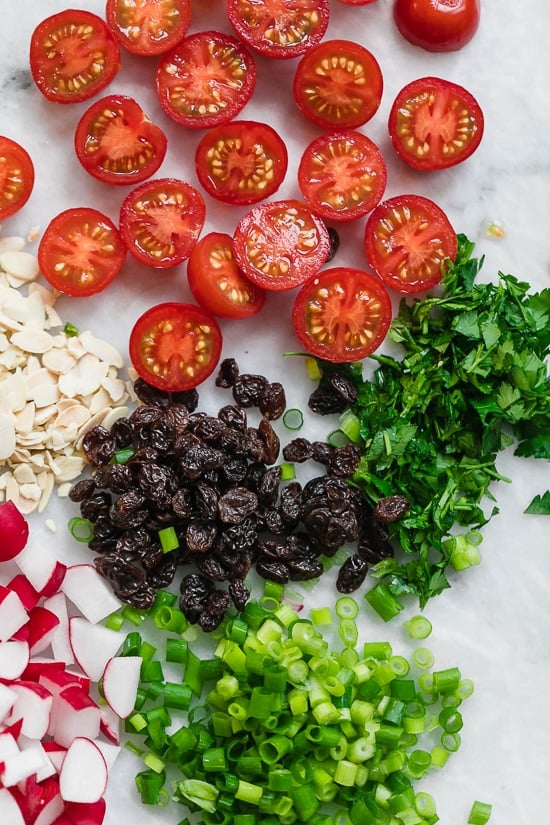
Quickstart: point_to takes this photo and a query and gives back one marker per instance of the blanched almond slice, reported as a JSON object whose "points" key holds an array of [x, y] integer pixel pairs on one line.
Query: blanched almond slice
{"points": [[84, 378], [58, 360], [32, 340], [7, 435], [42, 388], [104, 351], [74, 416], [21, 264], [112, 415], [68, 467], [115, 387], [24, 419], [24, 474], [13, 243]]}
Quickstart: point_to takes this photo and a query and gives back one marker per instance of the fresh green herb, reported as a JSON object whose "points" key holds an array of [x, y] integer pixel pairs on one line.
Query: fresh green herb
{"points": [[540, 506], [70, 330], [472, 380]]}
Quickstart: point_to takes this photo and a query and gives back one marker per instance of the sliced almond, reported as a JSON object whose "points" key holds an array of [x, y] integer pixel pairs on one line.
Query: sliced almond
{"points": [[102, 349], [8, 438], [21, 264]]}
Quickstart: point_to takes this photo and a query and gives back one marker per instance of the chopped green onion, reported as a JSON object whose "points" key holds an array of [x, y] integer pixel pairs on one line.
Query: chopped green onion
{"points": [[122, 456], [293, 419], [382, 600], [170, 619], [446, 681], [288, 471], [131, 614], [168, 539], [480, 813], [418, 627], [70, 330], [176, 650], [313, 369], [321, 615], [350, 425], [81, 529], [114, 621], [346, 608], [337, 438], [423, 657]]}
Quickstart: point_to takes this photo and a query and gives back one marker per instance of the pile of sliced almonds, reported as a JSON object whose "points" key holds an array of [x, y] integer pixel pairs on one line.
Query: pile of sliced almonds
{"points": [[54, 386]]}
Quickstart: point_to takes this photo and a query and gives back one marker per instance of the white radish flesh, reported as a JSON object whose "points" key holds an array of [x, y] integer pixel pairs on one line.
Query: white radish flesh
{"points": [[85, 588], [83, 777], [120, 683], [93, 645]]}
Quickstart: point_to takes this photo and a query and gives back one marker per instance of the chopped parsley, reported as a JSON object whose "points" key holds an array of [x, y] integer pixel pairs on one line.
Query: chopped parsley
{"points": [[540, 506], [471, 381]]}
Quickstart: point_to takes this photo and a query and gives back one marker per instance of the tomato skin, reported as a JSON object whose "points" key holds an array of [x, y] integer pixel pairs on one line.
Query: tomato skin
{"points": [[342, 175], [342, 314], [435, 124], [241, 162], [77, 37], [162, 25], [345, 98], [116, 142], [175, 346], [226, 68], [16, 177], [161, 220], [356, 2], [216, 282], [280, 29], [278, 245], [81, 252], [407, 240], [437, 25]]}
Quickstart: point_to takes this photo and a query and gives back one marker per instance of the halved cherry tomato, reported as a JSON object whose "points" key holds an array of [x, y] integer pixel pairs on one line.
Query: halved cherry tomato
{"points": [[175, 346], [435, 124], [241, 162], [338, 83], [16, 177], [81, 252], [407, 240], [117, 143], [279, 28], [342, 175], [161, 220], [342, 314], [206, 79], [442, 26], [216, 281], [148, 27], [73, 56], [280, 244]]}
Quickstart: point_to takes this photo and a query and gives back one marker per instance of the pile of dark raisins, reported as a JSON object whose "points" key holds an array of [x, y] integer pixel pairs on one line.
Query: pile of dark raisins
{"points": [[215, 481]]}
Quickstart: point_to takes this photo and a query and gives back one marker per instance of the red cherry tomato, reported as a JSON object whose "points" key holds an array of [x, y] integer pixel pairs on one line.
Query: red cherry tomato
{"points": [[407, 240], [356, 2], [148, 27], [434, 124], [174, 346], [16, 177], [241, 162], [117, 143], [342, 314], [338, 84], [73, 56], [81, 252], [437, 25], [342, 175], [205, 80], [161, 220], [280, 244], [216, 281], [279, 28]]}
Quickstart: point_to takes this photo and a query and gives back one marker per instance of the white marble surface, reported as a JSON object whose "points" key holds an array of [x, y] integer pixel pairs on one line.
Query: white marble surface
{"points": [[495, 621]]}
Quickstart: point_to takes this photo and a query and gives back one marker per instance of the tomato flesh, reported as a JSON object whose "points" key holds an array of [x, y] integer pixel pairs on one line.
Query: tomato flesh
{"points": [[217, 283], [16, 177], [280, 244], [175, 346], [342, 175], [205, 80], [338, 84], [407, 240], [73, 56], [437, 25], [117, 143], [81, 252], [241, 162], [161, 220], [148, 27], [279, 28], [435, 124], [342, 314]]}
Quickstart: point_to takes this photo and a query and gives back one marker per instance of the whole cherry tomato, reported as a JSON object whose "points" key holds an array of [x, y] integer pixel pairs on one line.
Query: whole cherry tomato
{"points": [[437, 25]]}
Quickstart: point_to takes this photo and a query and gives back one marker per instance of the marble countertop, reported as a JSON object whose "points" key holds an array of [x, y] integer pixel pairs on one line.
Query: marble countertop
{"points": [[495, 621]]}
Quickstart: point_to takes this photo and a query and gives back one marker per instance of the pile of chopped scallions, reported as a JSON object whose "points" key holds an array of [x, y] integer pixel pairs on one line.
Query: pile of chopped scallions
{"points": [[277, 728]]}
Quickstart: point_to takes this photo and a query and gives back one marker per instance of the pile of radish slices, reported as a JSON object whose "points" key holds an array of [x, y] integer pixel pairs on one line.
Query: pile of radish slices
{"points": [[58, 738]]}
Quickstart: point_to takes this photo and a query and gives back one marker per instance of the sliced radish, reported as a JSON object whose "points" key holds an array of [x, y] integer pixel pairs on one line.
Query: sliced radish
{"points": [[14, 659], [39, 666], [74, 715], [21, 765], [33, 707], [10, 812], [89, 592], [93, 645], [55, 753], [48, 768], [39, 802], [83, 776], [110, 724], [61, 646], [110, 753], [120, 683], [24, 589], [8, 746], [42, 625], [14, 530], [7, 701], [13, 614], [41, 567], [86, 813], [57, 680]]}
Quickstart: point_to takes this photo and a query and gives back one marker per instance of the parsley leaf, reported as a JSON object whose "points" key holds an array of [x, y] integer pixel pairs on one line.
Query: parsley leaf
{"points": [[540, 505]]}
